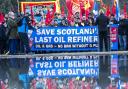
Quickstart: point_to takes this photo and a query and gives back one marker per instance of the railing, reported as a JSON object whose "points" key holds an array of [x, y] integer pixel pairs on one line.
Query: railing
{"points": [[65, 54]]}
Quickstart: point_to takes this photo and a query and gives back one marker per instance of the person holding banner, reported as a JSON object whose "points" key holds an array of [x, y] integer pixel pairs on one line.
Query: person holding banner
{"points": [[22, 31], [122, 33], [113, 20], [102, 21], [12, 32], [91, 19]]}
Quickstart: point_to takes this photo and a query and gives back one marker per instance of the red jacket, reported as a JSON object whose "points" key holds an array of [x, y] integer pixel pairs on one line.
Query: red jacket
{"points": [[1, 18]]}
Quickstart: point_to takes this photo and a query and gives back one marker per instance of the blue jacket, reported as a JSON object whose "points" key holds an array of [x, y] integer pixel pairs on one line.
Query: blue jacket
{"points": [[23, 27]]}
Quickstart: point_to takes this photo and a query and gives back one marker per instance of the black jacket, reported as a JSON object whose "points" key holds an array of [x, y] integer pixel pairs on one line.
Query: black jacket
{"points": [[123, 27], [102, 21], [2, 32]]}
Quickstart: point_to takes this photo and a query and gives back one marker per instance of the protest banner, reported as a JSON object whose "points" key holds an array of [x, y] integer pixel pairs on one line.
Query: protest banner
{"points": [[65, 38], [114, 37]]}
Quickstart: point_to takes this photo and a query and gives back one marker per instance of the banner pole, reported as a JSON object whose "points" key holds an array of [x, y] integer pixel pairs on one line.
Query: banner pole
{"points": [[18, 5]]}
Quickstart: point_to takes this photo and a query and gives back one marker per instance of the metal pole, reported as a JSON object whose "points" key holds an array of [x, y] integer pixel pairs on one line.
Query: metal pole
{"points": [[18, 5]]}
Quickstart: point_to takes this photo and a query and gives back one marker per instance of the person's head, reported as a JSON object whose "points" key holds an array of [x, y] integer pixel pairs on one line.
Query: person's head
{"points": [[122, 16], [11, 15], [27, 14], [55, 23], [56, 15], [59, 16], [77, 20], [63, 21], [37, 12], [112, 16], [77, 15], [90, 15], [83, 18], [101, 12]]}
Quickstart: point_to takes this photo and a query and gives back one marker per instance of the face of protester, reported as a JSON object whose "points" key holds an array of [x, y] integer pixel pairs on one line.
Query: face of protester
{"points": [[55, 23], [63, 22], [40, 24], [77, 14], [59, 16], [11, 15], [37, 12], [122, 17], [84, 18], [111, 17], [77, 21]]}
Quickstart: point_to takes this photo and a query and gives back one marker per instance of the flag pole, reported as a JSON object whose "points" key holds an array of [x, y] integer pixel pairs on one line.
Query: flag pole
{"points": [[18, 5]]}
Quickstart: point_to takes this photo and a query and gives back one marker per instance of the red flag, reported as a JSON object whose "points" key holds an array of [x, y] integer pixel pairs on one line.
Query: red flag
{"points": [[75, 6], [86, 7], [125, 10], [50, 16], [69, 7], [114, 9], [91, 4], [70, 18], [62, 11], [108, 12], [81, 9]]}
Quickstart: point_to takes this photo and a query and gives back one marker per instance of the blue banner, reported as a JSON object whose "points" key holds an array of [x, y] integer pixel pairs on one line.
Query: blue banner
{"points": [[114, 37], [69, 66], [64, 38]]}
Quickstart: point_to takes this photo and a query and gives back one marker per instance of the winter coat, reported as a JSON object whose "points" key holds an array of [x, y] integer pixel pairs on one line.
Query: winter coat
{"points": [[122, 29], [102, 21], [12, 28], [2, 32]]}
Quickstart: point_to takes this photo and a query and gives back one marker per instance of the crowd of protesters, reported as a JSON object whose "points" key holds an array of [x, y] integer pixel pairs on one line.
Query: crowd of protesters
{"points": [[14, 38]]}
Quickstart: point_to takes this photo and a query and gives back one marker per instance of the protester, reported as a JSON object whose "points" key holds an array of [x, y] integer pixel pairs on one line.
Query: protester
{"points": [[12, 33], [113, 20], [55, 23], [22, 31], [122, 33], [3, 37], [102, 21], [64, 22], [91, 20]]}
